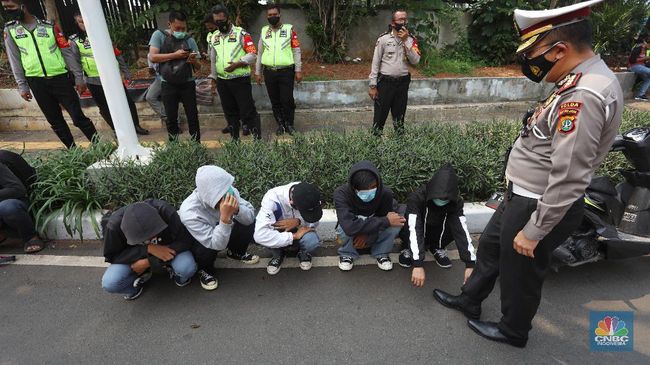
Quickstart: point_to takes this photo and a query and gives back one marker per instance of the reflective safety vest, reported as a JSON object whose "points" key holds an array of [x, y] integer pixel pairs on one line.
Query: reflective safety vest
{"points": [[277, 46], [87, 57], [229, 49], [209, 38], [39, 52]]}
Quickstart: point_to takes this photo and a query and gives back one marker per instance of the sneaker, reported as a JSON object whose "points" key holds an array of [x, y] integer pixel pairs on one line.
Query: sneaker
{"points": [[346, 263], [138, 283], [305, 261], [177, 280], [208, 282], [385, 264], [405, 258], [641, 98], [442, 259], [247, 258], [274, 265]]}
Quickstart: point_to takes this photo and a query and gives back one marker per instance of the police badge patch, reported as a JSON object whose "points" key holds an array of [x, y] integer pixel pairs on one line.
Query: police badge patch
{"points": [[567, 124], [42, 32]]}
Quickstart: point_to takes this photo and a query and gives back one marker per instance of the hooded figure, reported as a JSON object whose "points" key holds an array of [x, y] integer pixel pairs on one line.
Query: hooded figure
{"points": [[201, 212], [435, 218], [364, 216], [142, 238]]}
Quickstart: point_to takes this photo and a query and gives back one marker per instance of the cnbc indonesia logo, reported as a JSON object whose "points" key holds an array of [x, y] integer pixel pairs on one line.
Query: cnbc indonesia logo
{"points": [[612, 332]]}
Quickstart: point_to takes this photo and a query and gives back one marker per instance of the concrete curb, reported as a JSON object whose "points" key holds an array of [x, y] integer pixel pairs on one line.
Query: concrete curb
{"points": [[477, 214]]}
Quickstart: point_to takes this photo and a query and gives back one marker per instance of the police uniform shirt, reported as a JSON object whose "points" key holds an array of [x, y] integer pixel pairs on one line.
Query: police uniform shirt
{"points": [[390, 57], [565, 140], [74, 48], [13, 53]]}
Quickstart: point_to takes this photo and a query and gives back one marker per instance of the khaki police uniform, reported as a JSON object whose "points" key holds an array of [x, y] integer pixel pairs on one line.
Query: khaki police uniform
{"points": [[390, 75], [551, 164]]}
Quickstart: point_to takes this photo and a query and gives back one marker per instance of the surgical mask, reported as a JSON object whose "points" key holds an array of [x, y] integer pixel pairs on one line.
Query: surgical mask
{"points": [[440, 202], [180, 35], [274, 20], [222, 25], [537, 68], [17, 14], [367, 195]]}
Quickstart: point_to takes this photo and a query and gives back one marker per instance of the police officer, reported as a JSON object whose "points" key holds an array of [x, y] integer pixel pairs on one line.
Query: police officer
{"points": [[231, 55], [390, 78], [83, 52], [279, 55], [40, 58], [549, 168]]}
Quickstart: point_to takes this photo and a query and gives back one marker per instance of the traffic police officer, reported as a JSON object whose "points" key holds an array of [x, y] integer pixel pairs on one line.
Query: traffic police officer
{"points": [[84, 57], [40, 57], [549, 168], [279, 55], [389, 77], [231, 55]]}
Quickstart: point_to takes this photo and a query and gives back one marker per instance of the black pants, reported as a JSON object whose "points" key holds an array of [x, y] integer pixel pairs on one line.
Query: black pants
{"points": [[54, 92], [99, 97], [392, 97], [14, 215], [520, 277], [240, 237], [279, 85], [237, 102], [172, 95]]}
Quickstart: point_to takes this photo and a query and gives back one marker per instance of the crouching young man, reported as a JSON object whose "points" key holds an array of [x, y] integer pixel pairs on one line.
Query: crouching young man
{"points": [[366, 217], [288, 216], [435, 218], [143, 238], [219, 219]]}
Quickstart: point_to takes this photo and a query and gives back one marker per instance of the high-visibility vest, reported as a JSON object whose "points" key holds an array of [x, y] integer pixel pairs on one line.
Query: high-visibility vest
{"points": [[39, 52], [277, 46], [229, 49], [87, 56]]}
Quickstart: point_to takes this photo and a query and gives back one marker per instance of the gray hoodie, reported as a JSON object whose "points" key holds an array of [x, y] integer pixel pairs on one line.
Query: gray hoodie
{"points": [[198, 211]]}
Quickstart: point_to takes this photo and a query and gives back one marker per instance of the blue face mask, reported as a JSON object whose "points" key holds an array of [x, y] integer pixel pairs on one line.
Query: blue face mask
{"points": [[367, 195], [440, 202], [180, 35]]}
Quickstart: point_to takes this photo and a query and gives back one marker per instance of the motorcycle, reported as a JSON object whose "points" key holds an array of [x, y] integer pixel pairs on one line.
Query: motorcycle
{"points": [[616, 223]]}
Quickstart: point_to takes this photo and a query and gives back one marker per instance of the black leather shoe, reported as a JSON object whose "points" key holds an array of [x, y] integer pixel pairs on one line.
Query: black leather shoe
{"points": [[141, 131], [244, 130], [291, 130], [458, 302], [226, 130], [279, 131], [491, 331]]}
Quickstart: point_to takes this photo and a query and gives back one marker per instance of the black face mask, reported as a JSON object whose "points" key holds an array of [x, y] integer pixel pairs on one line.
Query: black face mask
{"points": [[536, 68], [222, 25], [274, 20], [17, 14]]}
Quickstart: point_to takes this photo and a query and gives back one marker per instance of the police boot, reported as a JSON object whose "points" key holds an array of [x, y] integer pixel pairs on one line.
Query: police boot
{"points": [[462, 303]]}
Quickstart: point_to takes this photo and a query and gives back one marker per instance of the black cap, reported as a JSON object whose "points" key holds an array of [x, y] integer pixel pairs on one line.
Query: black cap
{"points": [[306, 198]]}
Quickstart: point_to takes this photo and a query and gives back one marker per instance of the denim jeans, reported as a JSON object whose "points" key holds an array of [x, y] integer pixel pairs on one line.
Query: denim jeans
{"points": [[308, 244], [380, 248], [119, 278], [644, 73], [14, 215]]}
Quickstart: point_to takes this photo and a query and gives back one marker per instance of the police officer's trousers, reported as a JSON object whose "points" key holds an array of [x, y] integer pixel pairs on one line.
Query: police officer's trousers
{"points": [[279, 85], [237, 102], [99, 97], [53, 92], [520, 277], [392, 97]]}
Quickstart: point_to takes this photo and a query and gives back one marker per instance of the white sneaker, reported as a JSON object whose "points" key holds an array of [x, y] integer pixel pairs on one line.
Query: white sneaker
{"points": [[274, 265], [385, 264], [208, 282], [346, 263], [305, 261]]}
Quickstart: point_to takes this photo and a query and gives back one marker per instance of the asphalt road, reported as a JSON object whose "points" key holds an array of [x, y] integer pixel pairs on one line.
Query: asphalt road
{"points": [[60, 315]]}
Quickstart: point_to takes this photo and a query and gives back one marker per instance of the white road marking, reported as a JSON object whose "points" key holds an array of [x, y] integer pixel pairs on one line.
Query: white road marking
{"points": [[221, 263]]}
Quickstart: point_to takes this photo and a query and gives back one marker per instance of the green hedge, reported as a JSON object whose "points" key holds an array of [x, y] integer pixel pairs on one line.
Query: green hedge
{"points": [[322, 158]]}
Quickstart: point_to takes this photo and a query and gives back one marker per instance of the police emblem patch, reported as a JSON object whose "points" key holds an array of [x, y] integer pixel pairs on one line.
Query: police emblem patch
{"points": [[283, 33], [567, 124], [42, 32]]}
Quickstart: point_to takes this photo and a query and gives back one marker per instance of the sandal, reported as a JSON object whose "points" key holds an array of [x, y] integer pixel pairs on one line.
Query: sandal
{"points": [[34, 245]]}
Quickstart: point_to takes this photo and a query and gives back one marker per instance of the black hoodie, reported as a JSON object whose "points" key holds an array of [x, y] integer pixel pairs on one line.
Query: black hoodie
{"points": [[420, 208], [16, 176], [175, 236], [349, 207]]}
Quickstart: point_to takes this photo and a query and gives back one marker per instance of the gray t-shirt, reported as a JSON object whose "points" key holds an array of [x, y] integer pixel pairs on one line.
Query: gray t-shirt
{"points": [[158, 38]]}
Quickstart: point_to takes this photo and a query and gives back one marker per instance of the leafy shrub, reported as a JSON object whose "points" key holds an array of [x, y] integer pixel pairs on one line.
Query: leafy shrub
{"points": [[322, 158], [616, 23]]}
